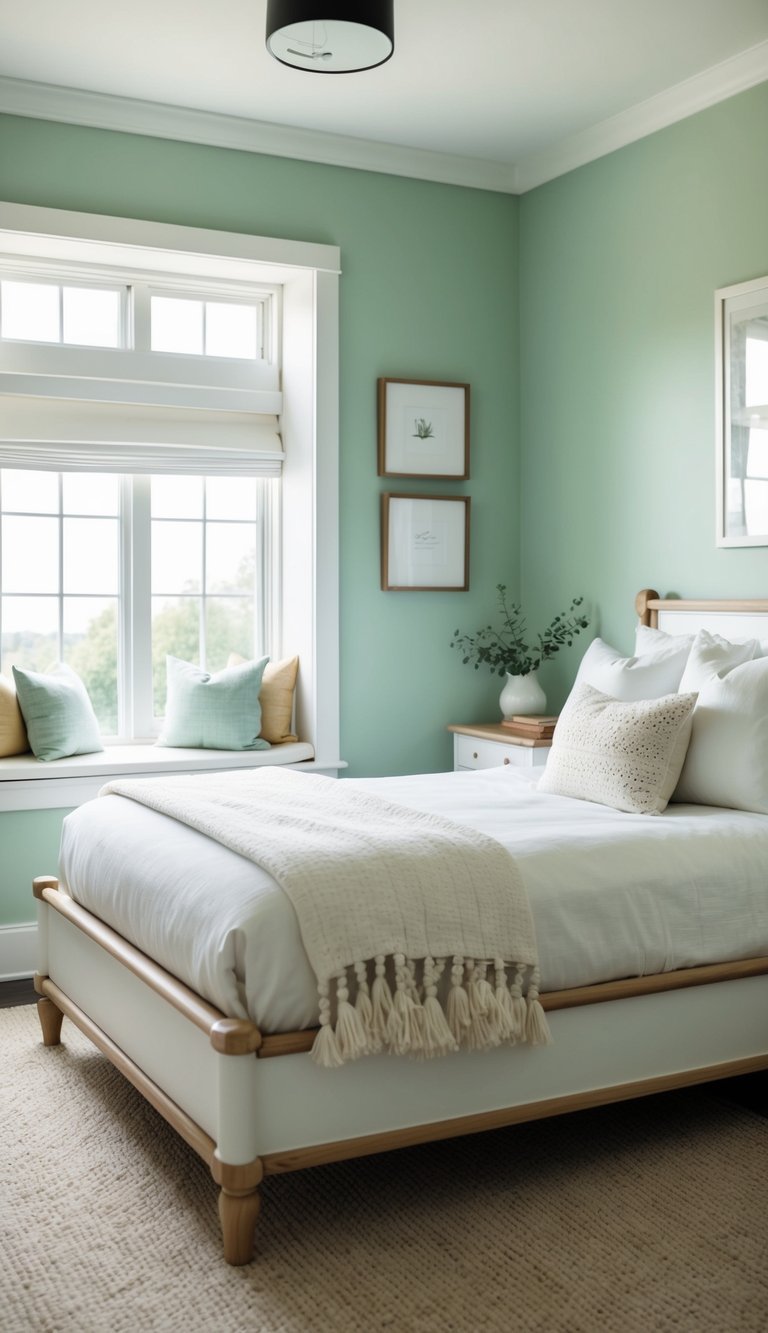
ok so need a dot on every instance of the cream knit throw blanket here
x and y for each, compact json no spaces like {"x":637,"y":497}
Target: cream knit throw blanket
{"x":385,"y":896}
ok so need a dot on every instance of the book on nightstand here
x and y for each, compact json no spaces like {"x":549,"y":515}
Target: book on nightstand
{"x":534,"y":726}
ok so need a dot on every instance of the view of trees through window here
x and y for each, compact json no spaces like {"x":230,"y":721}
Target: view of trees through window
{"x":61,"y":584}
{"x":179,"y":626}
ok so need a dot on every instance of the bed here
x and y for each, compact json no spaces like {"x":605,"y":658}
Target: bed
{"x":648,"y":983}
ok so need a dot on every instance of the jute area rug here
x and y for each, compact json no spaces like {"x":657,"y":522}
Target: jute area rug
{"x":647,"y":1216}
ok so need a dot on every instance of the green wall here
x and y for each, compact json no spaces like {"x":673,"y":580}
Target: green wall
{"x":29,"y":846}
{"x":619,"y":264}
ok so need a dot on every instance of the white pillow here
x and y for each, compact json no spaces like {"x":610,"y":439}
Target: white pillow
{"x":710,"y":655}
{"x":631,"y":678}
{"x":626,"y":755}
{"x":648,"y":640}
{"x":727,"y":761}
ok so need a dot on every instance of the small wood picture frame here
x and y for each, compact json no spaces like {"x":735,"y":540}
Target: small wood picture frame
{"x":424,"y":543}
{"x":423,"y":429}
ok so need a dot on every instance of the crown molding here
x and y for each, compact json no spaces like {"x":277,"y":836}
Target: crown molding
{"x":41,"y":101}
{"x":685,"y":99}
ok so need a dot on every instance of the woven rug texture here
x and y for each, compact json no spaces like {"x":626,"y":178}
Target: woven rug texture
{"x":647,"y":1216}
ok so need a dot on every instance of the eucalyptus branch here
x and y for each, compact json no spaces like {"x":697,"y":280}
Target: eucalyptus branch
{"x":508,"y":647}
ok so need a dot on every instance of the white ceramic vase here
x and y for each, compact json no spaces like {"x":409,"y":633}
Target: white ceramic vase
{"x":522,"y":695}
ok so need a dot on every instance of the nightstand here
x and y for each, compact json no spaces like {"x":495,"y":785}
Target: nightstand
{"x":490,"y":745}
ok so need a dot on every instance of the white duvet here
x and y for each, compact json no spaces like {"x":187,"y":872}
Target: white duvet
{"x":612,"y":894}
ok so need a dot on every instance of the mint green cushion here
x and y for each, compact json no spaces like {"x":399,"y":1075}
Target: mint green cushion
{"x":219,"y":712}
{"x":57,"y":712}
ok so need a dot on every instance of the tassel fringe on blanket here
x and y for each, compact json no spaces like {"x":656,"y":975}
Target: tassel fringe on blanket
{"x":477,"y":1016}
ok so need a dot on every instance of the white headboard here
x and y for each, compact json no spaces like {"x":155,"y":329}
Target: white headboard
{"x":736,"y":619}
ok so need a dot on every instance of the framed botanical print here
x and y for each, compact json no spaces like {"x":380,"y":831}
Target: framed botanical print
{"x":424,"y":543}
{"x":423,"y":429}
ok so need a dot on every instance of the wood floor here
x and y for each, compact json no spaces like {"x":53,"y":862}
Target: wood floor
{"x":17,"y":992}
{"x":751,"y":1090}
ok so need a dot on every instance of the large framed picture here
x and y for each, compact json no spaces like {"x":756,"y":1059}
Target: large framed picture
{"x":741,"y":377}
{"x":424,"y":543}
{"x":423,"y":429}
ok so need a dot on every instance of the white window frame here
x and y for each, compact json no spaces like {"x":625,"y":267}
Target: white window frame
{"x":81,"y":278}
{"x":133,"y":372}
{"x":264,"y":301}
{"x":307,"y":277}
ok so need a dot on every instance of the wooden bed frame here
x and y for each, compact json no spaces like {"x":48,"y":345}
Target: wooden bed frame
{"x":219,"y":1082}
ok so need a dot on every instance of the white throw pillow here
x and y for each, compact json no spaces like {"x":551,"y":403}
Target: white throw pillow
{"x":727,"y":761}
{"x":648,"y":640}
{"x":626,"y":755}
{"x":711,"y":655}
{"x":631,"y":678}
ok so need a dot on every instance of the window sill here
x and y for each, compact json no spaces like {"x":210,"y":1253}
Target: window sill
{"x":28,"y":784}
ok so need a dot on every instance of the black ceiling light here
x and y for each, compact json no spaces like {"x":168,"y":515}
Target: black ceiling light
{"x":327,"y":37}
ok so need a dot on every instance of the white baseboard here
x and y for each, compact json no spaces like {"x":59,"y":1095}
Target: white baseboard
{"x":18,"y":951}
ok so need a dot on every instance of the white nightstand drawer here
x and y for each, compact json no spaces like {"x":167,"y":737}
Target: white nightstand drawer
{"x":476,"y":752}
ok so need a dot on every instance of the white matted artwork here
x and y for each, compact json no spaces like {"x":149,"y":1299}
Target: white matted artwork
{"x":423,"y":429}
{"x":424,"y":542}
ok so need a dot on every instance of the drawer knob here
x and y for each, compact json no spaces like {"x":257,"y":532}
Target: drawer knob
{"x":474,"y":754}
{"x":506,"y":761}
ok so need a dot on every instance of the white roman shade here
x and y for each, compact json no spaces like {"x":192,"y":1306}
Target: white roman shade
{"x":62,"y":435}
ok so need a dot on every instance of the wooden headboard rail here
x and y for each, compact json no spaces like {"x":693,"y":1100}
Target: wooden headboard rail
{"x":648,"y":604}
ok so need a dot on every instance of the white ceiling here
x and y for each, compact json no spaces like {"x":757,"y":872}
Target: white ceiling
{"x":495,"y":93}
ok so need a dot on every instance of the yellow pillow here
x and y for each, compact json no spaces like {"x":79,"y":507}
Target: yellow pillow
{"x":276,"y":697}
{"x":13,"y":733}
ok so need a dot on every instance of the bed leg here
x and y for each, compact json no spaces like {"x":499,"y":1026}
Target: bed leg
{"x":238,"y":1214}
{"x":239,"y":1206}
{"x":51,"y":1019}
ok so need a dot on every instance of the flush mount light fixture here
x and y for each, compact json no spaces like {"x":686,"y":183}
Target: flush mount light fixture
{"x":328,"y":37}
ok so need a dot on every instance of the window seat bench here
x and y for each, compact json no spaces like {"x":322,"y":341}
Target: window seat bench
{"x":27,"y":783}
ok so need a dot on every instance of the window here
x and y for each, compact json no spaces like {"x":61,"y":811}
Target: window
{"x":206,"y":328}
{"x":55,"y":313}
{"x":60,"y":583}
{"x":213,"y":567}
{"x":186,"y":342}
{"x":111,"y":573}
{"x":202,"y":587}
{"x":137,"y":416}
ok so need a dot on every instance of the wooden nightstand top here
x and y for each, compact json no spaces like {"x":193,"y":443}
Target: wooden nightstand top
{"x":494,"y":731}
